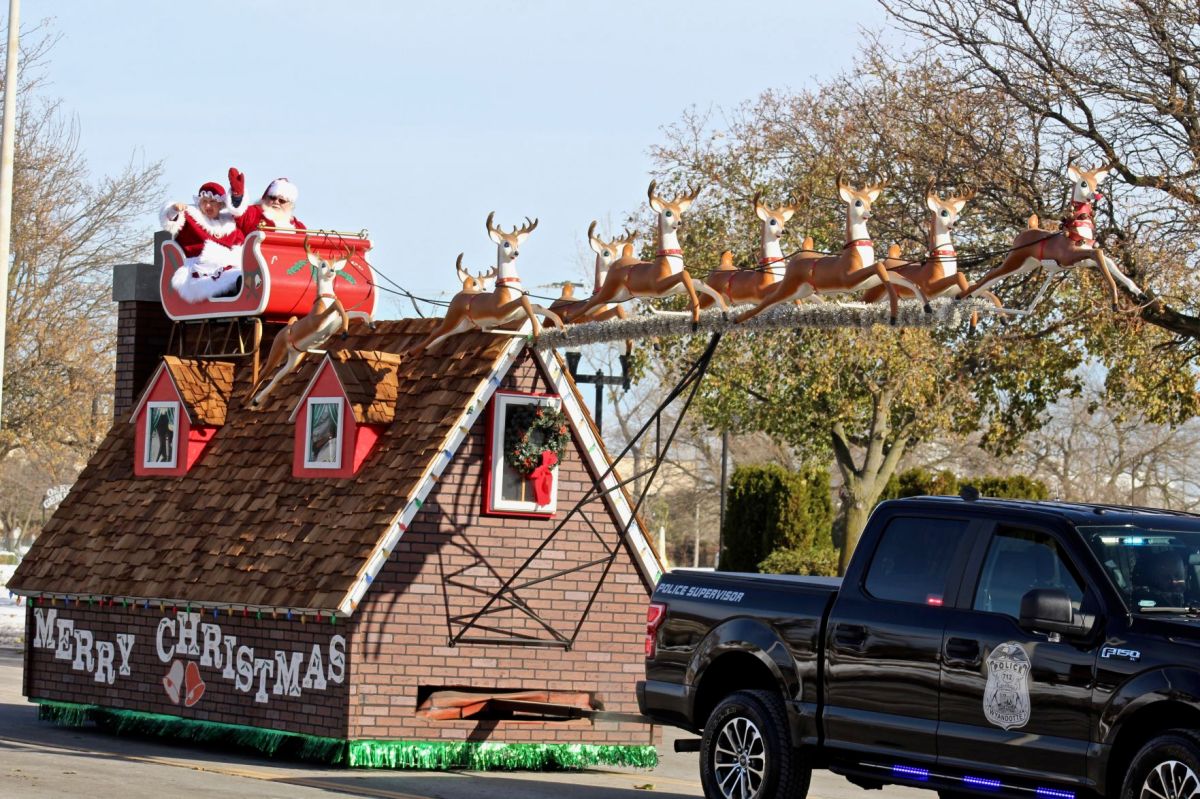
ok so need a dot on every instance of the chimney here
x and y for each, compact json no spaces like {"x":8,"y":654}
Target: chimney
{"x":143,"y":329}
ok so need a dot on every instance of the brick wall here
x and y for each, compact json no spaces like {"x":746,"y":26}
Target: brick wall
{"x":81,"y":679}
{"x":143,"y":331}
{"x":448,"y":563}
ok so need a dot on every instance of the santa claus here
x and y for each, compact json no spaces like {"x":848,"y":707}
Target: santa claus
{"x":273,"y":211}
{"x":208,"y":234}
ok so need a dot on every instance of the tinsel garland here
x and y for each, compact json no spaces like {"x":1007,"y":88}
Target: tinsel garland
{"x":482,"y":755}
{"x":476,"y":755}
{"x":822,"y":315}
{"x":135,"y":722}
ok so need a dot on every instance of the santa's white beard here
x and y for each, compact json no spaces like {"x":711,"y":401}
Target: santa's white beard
{"x":281,"y":217}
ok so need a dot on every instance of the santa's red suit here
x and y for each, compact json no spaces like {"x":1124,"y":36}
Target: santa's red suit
{"x":259,"y":215}
{"x":249,"y":217}
{"x":212,"y":248}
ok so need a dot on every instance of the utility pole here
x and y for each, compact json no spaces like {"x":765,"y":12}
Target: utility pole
{"x":6,"y":174}
{"x":600,"y":380}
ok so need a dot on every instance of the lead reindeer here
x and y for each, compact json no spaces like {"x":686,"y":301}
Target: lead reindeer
{"x":938,"y":274}
{"x":852,"y":269}
{"x":741,"y":286}
{"x":305,"y":334}
{"x":485,"y":310}
{"x":1072,"y":246}
{"x":665,"y":276}
{"x":607,"y":252}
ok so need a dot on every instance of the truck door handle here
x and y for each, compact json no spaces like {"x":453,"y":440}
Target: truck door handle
{"x":962,"y":652}
{"x":850,"y":636}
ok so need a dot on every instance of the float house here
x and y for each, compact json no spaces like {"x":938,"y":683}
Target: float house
{"x":354,"y":571}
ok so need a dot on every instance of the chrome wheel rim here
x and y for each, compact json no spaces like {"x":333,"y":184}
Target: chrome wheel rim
{"x":740,"y":759}
{"x":1171,"y":780}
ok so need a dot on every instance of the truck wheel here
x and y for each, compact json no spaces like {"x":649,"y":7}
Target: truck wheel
{"x":747,"y":752}
{"x":1168,"y":767}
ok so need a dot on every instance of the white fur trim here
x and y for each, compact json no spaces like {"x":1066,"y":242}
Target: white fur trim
{"x":211,"y":281}
{"x":214,"y":254}
{"x":223,"y":225}
{"x":172,"y":220}
{"x":282,"y":187}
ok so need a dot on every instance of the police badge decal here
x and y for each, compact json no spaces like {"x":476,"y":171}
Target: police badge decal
{"x":1006,"y":697}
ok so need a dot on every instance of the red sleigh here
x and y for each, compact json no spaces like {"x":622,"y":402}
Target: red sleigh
{"x":277,"y":282}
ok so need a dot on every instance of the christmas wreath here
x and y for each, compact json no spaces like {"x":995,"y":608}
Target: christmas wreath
{"x":530,"y":431}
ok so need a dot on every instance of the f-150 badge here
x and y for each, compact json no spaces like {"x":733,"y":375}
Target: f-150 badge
{"x":1006,"y":697}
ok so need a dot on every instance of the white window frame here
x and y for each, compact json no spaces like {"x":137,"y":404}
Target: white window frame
{"x":498,"y":503}
{"x":341,"y":434}
{"x":146,"y":462}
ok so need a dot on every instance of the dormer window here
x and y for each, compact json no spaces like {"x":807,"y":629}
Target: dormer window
{"x":342,"y":412}
{"x":323,"y":440}
{"x":178,"y":415}
{"x":526,"y":437}
{"x":161,"y":435}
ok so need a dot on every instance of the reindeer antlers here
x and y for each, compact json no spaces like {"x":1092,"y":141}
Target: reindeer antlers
{"x":688,"y":198}
{"x":525,"y":229}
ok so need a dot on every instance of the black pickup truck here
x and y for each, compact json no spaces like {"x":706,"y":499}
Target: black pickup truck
{"x":1040,"y":650}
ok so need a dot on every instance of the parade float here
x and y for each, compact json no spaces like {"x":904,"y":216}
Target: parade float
{"x":403,"y":543}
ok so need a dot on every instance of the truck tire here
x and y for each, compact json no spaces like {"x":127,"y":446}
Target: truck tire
{"x":747,"y":752}
{"x":1167,"y":767}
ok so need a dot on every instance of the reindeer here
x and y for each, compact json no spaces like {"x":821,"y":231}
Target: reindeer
{"x":304,"y":334}
{"x":568,"y":307}
{"x":852,"y":269}
{"x":938,"y":274}
{"x":665,"y":275}
{"x":1072,"y":246}
{"x":485,"y":310}
{"x":739,"y":286}
{"x":472,"y":284}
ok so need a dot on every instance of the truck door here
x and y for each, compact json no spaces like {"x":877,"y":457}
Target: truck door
{"x":1014,"y":702}
{"x":885,"y":633}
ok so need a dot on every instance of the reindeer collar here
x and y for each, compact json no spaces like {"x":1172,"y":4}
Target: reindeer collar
{"x":858,"y":243}
{"x":769,"y":261}
{"x":504,"y":281}
{"x":1080,"y":216}
{"x":665,"y":253}
{"x":944,"y":252}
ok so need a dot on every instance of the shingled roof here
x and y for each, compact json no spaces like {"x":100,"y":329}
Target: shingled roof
{"x":189,"y":538}
{"x":204,"y":387}
{"x":371,"y":381}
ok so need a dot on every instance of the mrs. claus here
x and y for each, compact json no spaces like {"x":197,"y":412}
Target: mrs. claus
{"x":211,"y":242}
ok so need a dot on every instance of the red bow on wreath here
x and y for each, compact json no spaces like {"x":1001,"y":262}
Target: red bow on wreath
{"x":543,"y":479}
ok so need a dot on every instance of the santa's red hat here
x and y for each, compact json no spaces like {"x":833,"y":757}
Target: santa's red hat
{"x":211,"y":190}
{"x":282,"y":188}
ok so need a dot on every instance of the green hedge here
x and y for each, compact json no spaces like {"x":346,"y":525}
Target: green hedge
{"x":920,"y":482}
{"x":770,"y":508}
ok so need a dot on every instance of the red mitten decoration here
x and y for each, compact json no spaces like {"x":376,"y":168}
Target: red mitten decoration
{"x":543,"y":479}
{"x":237,"y":181}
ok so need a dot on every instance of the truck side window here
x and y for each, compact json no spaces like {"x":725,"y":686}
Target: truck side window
{"x":1017,"y":562}
{"x":913,"y":559}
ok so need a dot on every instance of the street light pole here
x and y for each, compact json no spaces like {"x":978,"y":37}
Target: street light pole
{"x":6,"y":174}
{"x":600,"y":380}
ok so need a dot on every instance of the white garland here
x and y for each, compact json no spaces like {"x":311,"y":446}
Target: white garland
{"x":826,"y":315}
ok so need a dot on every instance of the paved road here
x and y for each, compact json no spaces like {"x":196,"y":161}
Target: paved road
{"x":42,"y":761}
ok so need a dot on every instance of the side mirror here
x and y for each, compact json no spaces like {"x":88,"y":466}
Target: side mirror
{"x":1049,"y":610}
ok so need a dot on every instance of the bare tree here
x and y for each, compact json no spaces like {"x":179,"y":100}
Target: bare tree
{"x":69,"y":228}
{"x":1116,"y":80}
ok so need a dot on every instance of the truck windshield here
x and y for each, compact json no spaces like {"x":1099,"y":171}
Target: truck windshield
{"x":1155,"y":570}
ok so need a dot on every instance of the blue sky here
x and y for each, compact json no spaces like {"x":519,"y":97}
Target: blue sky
{"x":416,"y":120}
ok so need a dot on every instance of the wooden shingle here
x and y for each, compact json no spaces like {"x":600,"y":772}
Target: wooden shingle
{"x":239,"y":529}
